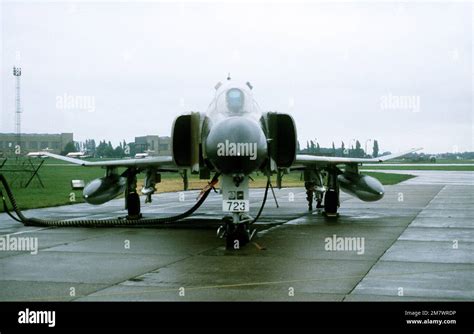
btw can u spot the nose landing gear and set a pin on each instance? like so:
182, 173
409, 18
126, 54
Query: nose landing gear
237, 225
236, 230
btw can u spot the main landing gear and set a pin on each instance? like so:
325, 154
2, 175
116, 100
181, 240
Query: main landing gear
314, 187
315, 190
132, 199
331, 196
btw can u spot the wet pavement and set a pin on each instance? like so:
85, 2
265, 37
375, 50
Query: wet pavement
414, 244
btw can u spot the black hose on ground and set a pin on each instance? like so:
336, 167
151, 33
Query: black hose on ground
263, 202
94, 222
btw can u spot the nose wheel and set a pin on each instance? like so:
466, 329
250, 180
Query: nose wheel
236, 235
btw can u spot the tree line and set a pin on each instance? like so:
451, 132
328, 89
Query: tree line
103, 150
356, 151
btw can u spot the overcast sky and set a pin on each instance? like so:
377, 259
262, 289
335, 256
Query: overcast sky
341, 70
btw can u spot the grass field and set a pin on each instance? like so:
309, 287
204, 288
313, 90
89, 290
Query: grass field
459, 167
438, 162
57, 181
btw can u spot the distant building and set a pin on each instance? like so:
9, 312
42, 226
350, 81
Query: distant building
154, 145
34, 142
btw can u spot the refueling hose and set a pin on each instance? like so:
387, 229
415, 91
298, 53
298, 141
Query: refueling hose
98, 222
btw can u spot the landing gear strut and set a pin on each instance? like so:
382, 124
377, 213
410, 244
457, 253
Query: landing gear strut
309, 194
319, 199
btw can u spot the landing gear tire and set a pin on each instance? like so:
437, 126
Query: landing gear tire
331, 202
237, 236
133, 206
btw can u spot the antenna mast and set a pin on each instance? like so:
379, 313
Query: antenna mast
17, 74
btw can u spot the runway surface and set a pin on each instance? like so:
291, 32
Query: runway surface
418, 245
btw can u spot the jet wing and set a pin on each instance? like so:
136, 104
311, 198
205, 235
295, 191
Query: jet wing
311, 160
162, 161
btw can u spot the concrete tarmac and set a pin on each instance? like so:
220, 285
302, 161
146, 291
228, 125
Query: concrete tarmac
418, 244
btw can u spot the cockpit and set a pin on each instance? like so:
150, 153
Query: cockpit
233, 100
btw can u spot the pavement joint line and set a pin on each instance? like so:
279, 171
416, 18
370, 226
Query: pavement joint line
394, 241
431, 227
71, 242
408, 223
237, 285
159, 267
22, 232
183, 259
274, 227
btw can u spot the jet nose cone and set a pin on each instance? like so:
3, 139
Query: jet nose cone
236, 145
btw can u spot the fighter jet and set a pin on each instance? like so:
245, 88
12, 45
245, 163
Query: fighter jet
232, 140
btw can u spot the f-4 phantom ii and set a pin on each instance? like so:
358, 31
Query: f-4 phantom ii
233, 139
